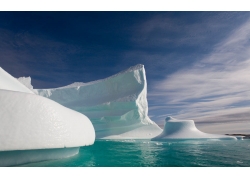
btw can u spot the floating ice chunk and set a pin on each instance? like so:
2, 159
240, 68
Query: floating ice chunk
158, 144
185, 129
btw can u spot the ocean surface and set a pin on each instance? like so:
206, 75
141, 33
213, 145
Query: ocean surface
145, 153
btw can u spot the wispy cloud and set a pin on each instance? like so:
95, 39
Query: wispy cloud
191, 29
216, 85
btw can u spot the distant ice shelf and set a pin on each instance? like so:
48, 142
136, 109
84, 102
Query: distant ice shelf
31, 122
185, 129
117, 106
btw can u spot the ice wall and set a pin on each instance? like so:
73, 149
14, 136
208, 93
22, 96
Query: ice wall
117, 106
185, 129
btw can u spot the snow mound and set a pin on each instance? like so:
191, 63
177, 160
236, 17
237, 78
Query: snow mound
117, 106
12, 158
29, 121
8, 82
185, 129
34, 128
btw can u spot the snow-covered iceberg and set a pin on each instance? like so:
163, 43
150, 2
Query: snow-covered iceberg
35, 128
185, 129
117, 106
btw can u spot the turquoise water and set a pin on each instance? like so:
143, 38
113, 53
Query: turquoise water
143, 153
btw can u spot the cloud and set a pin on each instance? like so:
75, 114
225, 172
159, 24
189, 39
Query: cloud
178, 29
216, 85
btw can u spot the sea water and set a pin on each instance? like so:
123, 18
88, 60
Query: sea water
146, 153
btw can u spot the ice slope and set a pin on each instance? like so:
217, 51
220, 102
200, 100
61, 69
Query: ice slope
8, 82
29, 121
185, 129
117, 106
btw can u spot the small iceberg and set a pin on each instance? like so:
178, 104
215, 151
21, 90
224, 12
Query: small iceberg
240, 137
185, 129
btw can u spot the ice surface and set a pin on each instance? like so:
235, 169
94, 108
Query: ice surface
8, 82
117, 106
32, 127
29, 121
185, 129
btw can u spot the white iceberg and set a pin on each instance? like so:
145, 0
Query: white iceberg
185, 129
33, 128
8, 82
27, 82
117, 106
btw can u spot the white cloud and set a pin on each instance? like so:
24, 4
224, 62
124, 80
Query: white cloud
216, 85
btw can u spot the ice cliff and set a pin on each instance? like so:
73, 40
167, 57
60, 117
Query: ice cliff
117, 106
33, 128
185, 129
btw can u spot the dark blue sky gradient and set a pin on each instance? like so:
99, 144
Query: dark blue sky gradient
59, 48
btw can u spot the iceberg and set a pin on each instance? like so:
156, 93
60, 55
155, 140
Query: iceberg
185, 129
8, 82
117, 106
34, 128
27, 82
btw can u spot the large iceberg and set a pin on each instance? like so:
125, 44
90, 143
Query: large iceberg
185, 129
117, 106
34, 128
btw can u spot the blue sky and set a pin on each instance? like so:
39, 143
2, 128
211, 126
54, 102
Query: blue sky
197, 63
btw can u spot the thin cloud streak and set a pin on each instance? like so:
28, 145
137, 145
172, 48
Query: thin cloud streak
213, 85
